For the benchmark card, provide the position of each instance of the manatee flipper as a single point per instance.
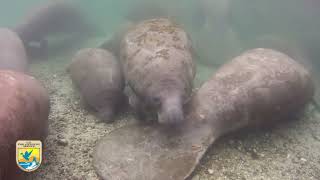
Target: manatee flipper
(138, 152)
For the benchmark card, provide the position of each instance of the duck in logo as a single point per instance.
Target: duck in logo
(29, 155)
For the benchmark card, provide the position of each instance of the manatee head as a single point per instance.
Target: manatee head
(168, 102)
(102, 103)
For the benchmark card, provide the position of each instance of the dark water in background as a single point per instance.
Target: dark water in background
(220, 29)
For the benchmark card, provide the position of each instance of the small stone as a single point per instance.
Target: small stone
(254, 154)
(254, 150)
(294, 160)
(210, 171)
(303, 160)
(85, 151)
(61, 118)
(62, 142)
(59, 136)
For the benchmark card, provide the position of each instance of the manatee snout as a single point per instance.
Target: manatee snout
(171, 116)
(171, 111)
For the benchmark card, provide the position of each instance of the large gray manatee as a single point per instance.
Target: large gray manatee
(159, 69)
(97, 75)
(12, 52)
(24, 111)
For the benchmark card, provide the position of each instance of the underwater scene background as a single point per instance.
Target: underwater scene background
(219, 30)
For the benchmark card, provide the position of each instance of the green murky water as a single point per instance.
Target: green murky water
(220, 29)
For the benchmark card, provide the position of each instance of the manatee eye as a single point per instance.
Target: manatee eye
(156, 101)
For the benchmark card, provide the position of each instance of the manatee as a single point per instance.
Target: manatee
(257, 89)
(51, 19)
(24, 111)
(158, 65)
(12, 52)
(97, 76)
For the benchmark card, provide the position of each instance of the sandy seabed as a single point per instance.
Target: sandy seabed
(288, 152)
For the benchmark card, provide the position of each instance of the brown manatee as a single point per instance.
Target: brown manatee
(159, 69)
(258, 88)
(53, 18)
(97, 75)
(24, 111)
(12, 53)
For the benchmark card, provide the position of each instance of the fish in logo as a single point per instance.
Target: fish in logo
(28, 155)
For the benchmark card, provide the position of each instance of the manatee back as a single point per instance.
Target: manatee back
(257, 88)
(96, 65)
(156, 50)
